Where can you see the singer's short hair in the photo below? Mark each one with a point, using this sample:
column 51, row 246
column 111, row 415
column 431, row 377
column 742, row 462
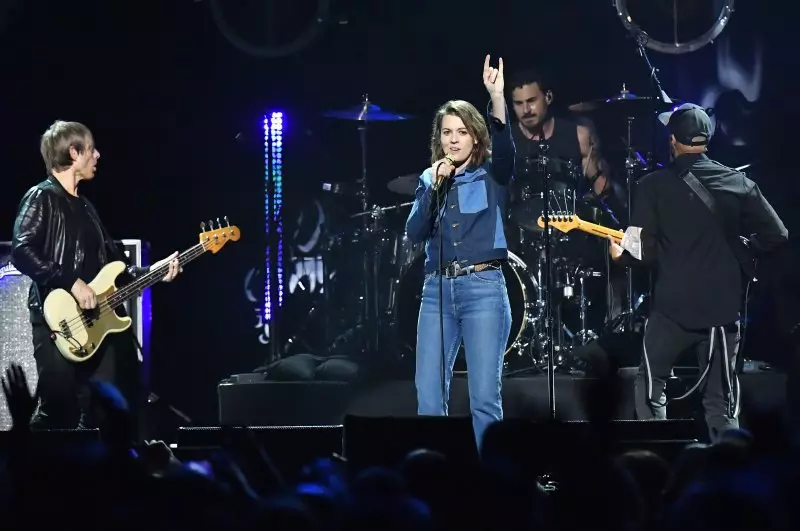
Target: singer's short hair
column 58, row 139
column 473, row 121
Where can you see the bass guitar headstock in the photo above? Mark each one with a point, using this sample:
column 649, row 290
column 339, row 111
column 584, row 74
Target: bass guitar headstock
column 215, row 239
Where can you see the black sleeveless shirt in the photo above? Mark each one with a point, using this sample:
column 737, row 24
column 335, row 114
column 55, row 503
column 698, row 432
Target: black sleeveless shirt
column 564, row 165
column 563, row 145
column 566, row 180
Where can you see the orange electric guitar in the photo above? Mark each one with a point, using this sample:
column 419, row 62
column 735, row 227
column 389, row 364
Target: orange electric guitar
column 566, row 222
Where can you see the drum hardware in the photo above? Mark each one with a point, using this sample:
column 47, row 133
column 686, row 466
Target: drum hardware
column 404, row 185
column 631, row 106
column 528, row 203
column 631, row 163
column 674, row 46
column 364, row 113
column 585, row 335
column 377, row 212
column 342, row 189
column 400, row 249
column 547, row 286
column 367, row 112
column 625, row 102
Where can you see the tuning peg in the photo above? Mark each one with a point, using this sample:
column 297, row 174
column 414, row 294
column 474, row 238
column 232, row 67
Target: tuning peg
column 202, row 227
column 211, row 224
column 227, row 223
column 219, row 225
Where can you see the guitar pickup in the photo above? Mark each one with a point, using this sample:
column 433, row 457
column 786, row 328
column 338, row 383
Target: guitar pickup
column 65, row 331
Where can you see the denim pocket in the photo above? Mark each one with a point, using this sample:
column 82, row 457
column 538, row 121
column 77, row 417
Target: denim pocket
column 495, row 276
column 472, row 197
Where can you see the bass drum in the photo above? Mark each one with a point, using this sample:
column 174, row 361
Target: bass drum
column 523, row 296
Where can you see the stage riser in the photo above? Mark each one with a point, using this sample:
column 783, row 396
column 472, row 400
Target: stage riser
column 324, row 403
column 283, row 403
column 289, row 404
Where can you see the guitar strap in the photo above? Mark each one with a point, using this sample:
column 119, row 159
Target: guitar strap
column 705, row 196
column 707, row 199
column 117, row 254
column 108, row 241
column 700, row 190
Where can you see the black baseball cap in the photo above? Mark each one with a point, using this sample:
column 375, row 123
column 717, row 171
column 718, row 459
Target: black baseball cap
column 689, row 123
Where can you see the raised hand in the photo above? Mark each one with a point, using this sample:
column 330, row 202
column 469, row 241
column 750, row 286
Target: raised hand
column 21, row 402
column 493, row 78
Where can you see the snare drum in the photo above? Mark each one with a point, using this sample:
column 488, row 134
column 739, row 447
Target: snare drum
column 523, row 296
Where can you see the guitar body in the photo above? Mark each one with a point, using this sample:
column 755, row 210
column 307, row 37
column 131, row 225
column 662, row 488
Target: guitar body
column 79, row 338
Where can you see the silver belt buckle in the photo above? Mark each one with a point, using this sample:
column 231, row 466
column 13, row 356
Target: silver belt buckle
column 455, row 268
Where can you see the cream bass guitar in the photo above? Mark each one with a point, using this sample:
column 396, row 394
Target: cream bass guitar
column 79, row 333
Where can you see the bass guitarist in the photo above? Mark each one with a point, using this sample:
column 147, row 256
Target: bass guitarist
column 59, row 242
column 686, row 224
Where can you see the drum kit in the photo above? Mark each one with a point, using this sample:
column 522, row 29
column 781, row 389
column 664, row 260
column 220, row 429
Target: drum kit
column 584, row 296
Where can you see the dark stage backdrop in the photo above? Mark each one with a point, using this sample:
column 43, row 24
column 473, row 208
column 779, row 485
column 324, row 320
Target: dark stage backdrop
column 177, row 113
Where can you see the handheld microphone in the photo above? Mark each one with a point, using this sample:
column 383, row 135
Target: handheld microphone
column 449, row 158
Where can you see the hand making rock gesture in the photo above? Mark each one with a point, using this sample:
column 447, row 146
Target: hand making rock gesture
column 493, row 77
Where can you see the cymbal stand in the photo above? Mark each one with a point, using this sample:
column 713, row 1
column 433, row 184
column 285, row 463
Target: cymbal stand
column 641, row 41
column 585, row 335
column 630, row 165
column 370, row 293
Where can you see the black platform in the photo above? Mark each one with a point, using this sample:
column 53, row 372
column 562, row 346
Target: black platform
column 261, row 403
column 251, row 401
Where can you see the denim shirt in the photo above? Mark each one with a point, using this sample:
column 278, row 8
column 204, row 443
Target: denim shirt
column 472, row 217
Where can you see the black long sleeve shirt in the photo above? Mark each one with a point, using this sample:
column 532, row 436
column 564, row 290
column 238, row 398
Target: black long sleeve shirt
column 699, row 272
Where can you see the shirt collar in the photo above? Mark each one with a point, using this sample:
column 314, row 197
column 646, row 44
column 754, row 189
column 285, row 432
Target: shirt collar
column 470, row 168
column 685, row 161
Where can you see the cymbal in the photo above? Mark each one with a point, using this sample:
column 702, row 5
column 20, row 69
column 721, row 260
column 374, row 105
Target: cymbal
column 367, row 112
column 405, row 184
column 624, row 101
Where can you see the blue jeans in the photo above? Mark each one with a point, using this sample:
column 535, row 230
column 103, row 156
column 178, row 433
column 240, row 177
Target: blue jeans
column 475, row 308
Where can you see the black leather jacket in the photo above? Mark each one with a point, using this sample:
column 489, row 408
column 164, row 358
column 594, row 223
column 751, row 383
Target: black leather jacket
column 46, row 245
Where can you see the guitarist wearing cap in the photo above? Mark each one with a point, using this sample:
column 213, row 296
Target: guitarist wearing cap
column 59, row 242
column 687, row 223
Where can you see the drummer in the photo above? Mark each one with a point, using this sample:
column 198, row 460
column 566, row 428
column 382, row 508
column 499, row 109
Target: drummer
column 567, row 140
column 576, row 168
